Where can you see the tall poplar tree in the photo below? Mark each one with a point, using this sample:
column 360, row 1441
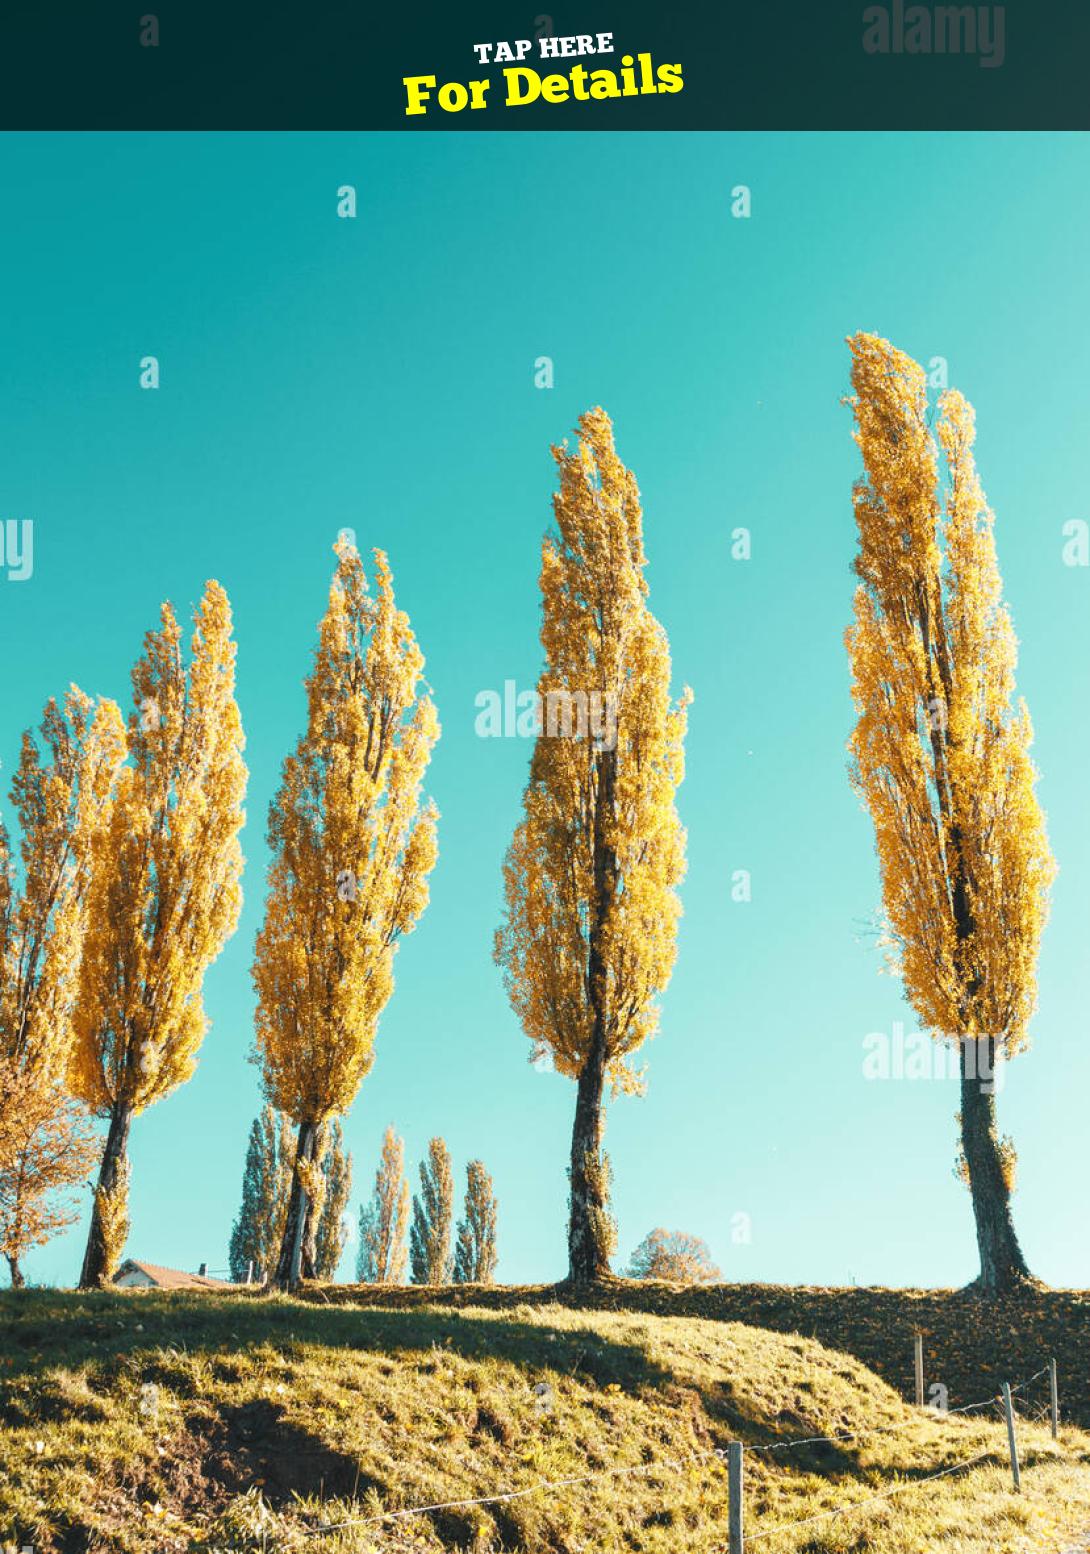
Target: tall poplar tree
column 433, row 1215
column 332, row 1235
column 352, row 846
column 162, row 898
column 940, row 756
column 266, row 1182
column 591, row 877
column 475, row 1250
column 59, row 792
column 384, row 1220
column 59, row 801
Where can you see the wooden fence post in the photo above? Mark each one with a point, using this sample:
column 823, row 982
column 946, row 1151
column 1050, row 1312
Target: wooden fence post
column 1054, row 1391
column 734, row 1493
column 1008, row 1409
column 919, row 1370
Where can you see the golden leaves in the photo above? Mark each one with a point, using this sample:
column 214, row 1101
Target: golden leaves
column 353, row 844
column 384, row 1219
column 57, row 801
column 591, row 876
column 940, row 755
column 46, row 1149
column 163, row 864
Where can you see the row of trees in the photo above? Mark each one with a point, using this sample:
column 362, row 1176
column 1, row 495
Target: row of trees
column 591, row 906
column 939, row 756
column 130, row 887
column 390, row 1239
column 127, row 891
column 266, row 1183
column 131, row 855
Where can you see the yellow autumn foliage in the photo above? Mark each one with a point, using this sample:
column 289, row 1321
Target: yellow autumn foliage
column 163, row 868
column 940, row 753
column 591, row 875
column 59, row 802
column 61, row 784
column 353, row 845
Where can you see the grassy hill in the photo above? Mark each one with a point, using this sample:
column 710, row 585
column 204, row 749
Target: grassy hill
column 147, row 1421
column 965, row 1341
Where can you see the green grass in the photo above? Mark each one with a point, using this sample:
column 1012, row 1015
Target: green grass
column 146, row 1421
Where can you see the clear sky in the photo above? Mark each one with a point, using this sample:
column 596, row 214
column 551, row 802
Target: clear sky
column 378, row 373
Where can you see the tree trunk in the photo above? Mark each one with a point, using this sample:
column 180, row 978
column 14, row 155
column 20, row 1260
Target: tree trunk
column 1002, row 1265
column 1001, row 1262
column 588, row 1222
column 588, row 1251
column 17, row 1280
column 297, row 1247
column 95, row 1271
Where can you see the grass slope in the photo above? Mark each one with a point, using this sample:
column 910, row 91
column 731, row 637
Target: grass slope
column 967, row 1342
column 147, row 1421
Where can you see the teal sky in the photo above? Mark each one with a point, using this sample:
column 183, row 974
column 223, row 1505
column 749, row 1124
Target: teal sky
column 378, row 373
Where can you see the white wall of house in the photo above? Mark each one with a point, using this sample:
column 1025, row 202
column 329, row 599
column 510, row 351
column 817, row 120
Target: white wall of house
column 132, row 1278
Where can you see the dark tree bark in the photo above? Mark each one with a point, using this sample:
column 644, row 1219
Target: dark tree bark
column 588, row 1253
column 1002, row 1265
column 17, row 1280
column 95, row 1271
column 588, row 1245
column 298, row 1251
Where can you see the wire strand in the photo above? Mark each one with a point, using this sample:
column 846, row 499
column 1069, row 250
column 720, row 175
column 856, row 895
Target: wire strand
column 519, row 1494
column 718, row 1453
column 862, row 1435
column 860, row 1505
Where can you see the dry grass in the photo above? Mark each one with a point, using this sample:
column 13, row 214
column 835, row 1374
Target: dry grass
column 146, row 1421
column 965, row 1340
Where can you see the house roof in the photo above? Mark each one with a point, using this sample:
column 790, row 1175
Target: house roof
column 172, row 1278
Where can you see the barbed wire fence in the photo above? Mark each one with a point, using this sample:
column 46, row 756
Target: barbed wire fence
column 1000, row 1406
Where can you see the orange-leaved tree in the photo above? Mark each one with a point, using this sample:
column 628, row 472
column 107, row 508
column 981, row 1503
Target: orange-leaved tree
column 675, row 1256
column 940, row 756
column 50, row 1149
column 163, row 896
column 46, row 1142
column 591, row 876
column 352, row 844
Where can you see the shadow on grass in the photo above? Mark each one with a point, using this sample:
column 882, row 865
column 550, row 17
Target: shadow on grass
column 156, row 1334
column 226, row 1446
column 970, row 1344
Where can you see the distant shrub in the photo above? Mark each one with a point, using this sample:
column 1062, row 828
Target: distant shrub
column 675, row 1256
